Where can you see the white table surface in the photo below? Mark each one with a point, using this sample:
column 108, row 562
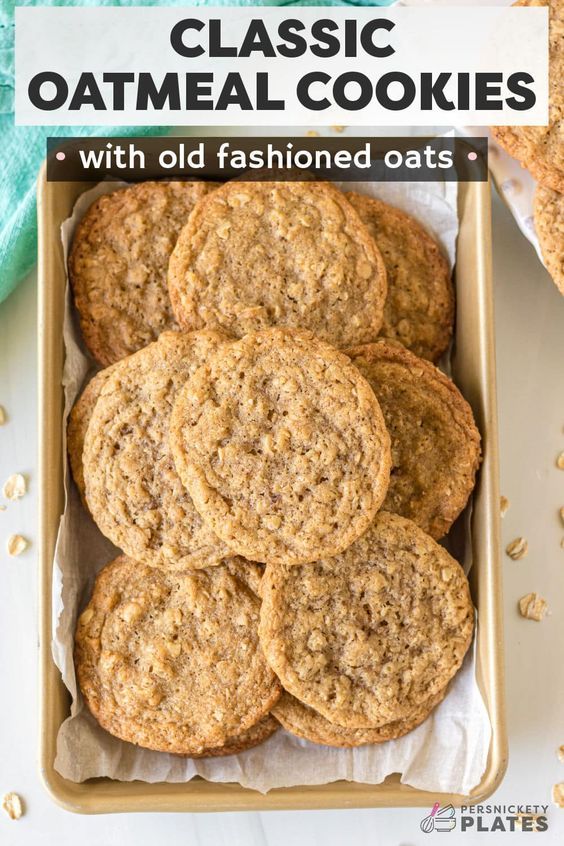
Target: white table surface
column 530, row 354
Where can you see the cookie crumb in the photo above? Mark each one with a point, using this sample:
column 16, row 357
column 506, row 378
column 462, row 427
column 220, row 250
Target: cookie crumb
column 16, row 545
column 560, row 753
column 2, row 415
column 517, row 549
column 503, row 505
column 14, row 487
column 12, row 805
column 562, row 543
column 338, row 128
column 533, row 607
column 562, row 513
column 560, row 461
column 312, row 133
column 558, row 794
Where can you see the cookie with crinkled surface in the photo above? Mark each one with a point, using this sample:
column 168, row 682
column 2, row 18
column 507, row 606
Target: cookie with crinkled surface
column 132, row 488
column 540, row 149
column 294, row 254
column 366, row 637
column 419, row 309
column 435, row 441
column 282, row 445
column 306, row 723
column 170, row 660
column 549, row 226
column 250, row 738
column 79, row 418
column 119, row 261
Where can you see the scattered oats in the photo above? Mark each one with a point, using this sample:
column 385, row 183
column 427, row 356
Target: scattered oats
column 518, row 548
column 503, row 505
column 14, row 487
column 13, row 805
column 2, row 415
column 16, row 545
column 312, row 133
column 558, row 794
column 560, row 461
column 2, row 507
column 533, row 607
column 338, row 128
column 560, row 753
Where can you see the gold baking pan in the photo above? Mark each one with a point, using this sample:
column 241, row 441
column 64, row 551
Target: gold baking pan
column 474, row 371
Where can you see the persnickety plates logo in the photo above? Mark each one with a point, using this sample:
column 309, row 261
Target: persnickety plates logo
column 487, row 818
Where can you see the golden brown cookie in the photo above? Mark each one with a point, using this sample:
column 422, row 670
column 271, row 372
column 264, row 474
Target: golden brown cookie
column 282, row 446
column 119, row 261
column 304, row 722
column 435, row 442
column 549, row 226
column 254, row 736
column 419, row 309
column 170, row 660
column 540, row 149
column 79, row 418
column 368, row 636
column 294, row 254
column 132, row 489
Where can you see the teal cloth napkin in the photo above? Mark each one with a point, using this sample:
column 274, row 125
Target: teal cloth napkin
column 23, row 147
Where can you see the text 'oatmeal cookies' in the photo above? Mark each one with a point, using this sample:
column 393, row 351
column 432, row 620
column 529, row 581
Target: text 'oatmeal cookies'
column 282, row 446
column 292, row 254
column 171, row 660
column 367, row 637
column 132, row 488
column 435, row 441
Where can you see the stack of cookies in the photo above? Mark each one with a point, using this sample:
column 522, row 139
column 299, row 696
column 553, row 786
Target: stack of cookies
column 540, row 149
column 276, row 455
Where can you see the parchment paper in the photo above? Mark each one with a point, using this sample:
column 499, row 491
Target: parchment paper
column 447, row 752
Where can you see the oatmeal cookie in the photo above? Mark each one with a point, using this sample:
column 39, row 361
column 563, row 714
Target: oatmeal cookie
column 370, row 635
column 119, row 261
column 419, row 309
column 282, row 446
column 540, row 149
column 306, row 723
column 250, row 738
column 435, row 442
column 132, row 488
column 549, row 225
column 170, row 660
column 293, row 254
column 79, row 418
